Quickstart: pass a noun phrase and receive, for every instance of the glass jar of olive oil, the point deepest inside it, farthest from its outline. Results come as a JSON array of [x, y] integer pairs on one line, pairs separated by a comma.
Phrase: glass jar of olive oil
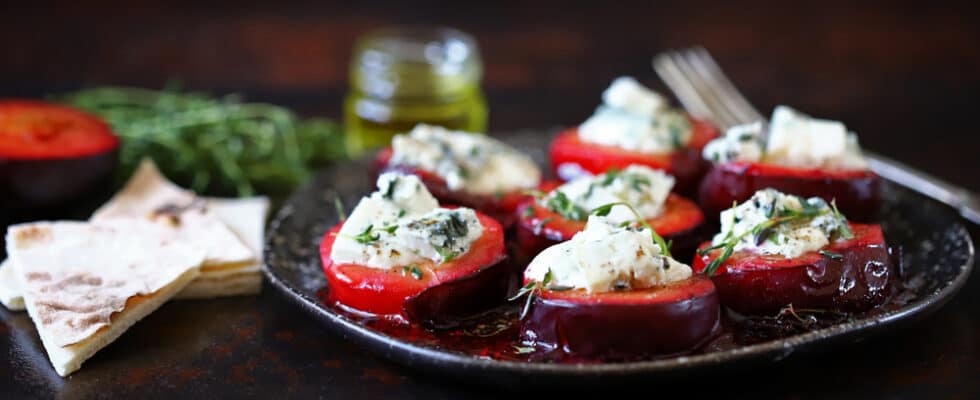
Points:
[[400, 77]]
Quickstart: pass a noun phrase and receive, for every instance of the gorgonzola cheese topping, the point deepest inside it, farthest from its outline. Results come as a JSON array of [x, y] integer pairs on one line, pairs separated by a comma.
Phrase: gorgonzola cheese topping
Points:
[[739, 143], [402, 224], [606, 257], [640, 187], [469, 162], [809, 224], [794, 139], [636, 118]]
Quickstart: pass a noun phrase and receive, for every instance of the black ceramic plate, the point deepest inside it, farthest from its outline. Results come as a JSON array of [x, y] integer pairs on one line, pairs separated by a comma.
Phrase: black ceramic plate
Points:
[[938, 256]]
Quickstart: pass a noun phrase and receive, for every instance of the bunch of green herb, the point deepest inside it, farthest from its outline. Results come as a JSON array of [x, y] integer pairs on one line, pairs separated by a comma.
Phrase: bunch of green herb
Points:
[[762, 231], [216, 145]]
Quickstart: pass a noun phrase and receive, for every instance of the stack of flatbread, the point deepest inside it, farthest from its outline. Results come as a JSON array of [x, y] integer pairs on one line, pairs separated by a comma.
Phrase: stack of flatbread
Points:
[[85, 283]]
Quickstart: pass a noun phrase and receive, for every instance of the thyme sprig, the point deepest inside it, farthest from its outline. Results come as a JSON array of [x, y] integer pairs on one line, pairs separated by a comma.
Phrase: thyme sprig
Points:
[[761, 232], [561, 204], [604, 210], [531, 290], [338, 205], [370, 234]]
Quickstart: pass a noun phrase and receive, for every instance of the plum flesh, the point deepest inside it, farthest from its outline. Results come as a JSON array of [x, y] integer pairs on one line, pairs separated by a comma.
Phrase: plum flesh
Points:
[[624, 325], [857, 193], [848, 276]]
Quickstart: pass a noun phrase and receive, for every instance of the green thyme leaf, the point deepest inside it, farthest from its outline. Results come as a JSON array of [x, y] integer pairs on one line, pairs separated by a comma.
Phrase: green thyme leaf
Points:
[[391, 189], [366, 237], [844, 231], [561, 204], [446, 253], [338, 205], [610, 176], [830, 254], [675, 137], [531, 290], [603, 210], [529, 212], [413, 270]]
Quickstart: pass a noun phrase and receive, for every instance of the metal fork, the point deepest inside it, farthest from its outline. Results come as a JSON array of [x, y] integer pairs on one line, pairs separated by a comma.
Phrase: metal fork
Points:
[[704, 90]]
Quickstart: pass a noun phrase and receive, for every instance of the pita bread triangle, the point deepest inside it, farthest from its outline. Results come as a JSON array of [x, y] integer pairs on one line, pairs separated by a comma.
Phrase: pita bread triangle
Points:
[[84, 284], [245, 217], [148, 194], [228, 230]]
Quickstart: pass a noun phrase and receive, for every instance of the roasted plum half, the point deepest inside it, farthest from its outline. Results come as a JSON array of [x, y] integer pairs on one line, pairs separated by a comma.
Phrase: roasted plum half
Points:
[[570, 156], [847, 276], [539, 227], [856, 192], [624, 325], [434, 295], [499, 206], [52, 154]]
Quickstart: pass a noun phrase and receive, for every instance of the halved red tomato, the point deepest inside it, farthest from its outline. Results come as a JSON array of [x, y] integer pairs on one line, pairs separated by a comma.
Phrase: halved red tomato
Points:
[[856, 192], [51, 154], [478, 280], [848, 275], [686, 164], [500, 206], [629, 324], [539, 228]]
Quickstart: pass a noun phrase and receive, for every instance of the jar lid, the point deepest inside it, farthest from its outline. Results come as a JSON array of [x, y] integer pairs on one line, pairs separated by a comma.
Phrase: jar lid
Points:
[[415, 62]]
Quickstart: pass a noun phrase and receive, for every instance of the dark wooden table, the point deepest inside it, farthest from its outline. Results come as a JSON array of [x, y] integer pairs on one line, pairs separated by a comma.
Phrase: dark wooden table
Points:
[[905, 79]]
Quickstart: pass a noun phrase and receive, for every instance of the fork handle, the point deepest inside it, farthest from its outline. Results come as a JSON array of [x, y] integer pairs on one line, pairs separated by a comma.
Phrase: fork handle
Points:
[[964, 201]]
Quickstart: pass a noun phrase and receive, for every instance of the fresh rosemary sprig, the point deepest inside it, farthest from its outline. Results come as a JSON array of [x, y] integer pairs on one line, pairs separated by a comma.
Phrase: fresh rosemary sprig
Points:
[[604, 210]]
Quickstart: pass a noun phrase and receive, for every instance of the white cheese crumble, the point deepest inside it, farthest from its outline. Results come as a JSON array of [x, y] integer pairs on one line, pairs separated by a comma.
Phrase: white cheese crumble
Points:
[[743, 143], [606, 257], [636, 118], [640, 187], [794, 139], [790, 239], [469, 162], [402, 224]]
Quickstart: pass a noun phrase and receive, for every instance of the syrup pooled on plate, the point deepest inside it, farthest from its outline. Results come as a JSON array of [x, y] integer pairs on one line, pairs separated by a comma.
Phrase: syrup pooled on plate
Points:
[[495, 333]]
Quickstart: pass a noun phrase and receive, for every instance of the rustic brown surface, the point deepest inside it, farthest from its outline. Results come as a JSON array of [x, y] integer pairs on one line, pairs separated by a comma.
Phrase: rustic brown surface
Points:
[[905, 78]]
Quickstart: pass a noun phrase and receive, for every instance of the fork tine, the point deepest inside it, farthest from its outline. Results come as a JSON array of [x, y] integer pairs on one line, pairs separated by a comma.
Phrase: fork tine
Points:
[[737, 102], [711, 87], [682, 88], [705, 90]]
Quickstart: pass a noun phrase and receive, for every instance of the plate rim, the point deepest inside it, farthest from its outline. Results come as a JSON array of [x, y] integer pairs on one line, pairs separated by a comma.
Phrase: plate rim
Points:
[[411, 354]]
